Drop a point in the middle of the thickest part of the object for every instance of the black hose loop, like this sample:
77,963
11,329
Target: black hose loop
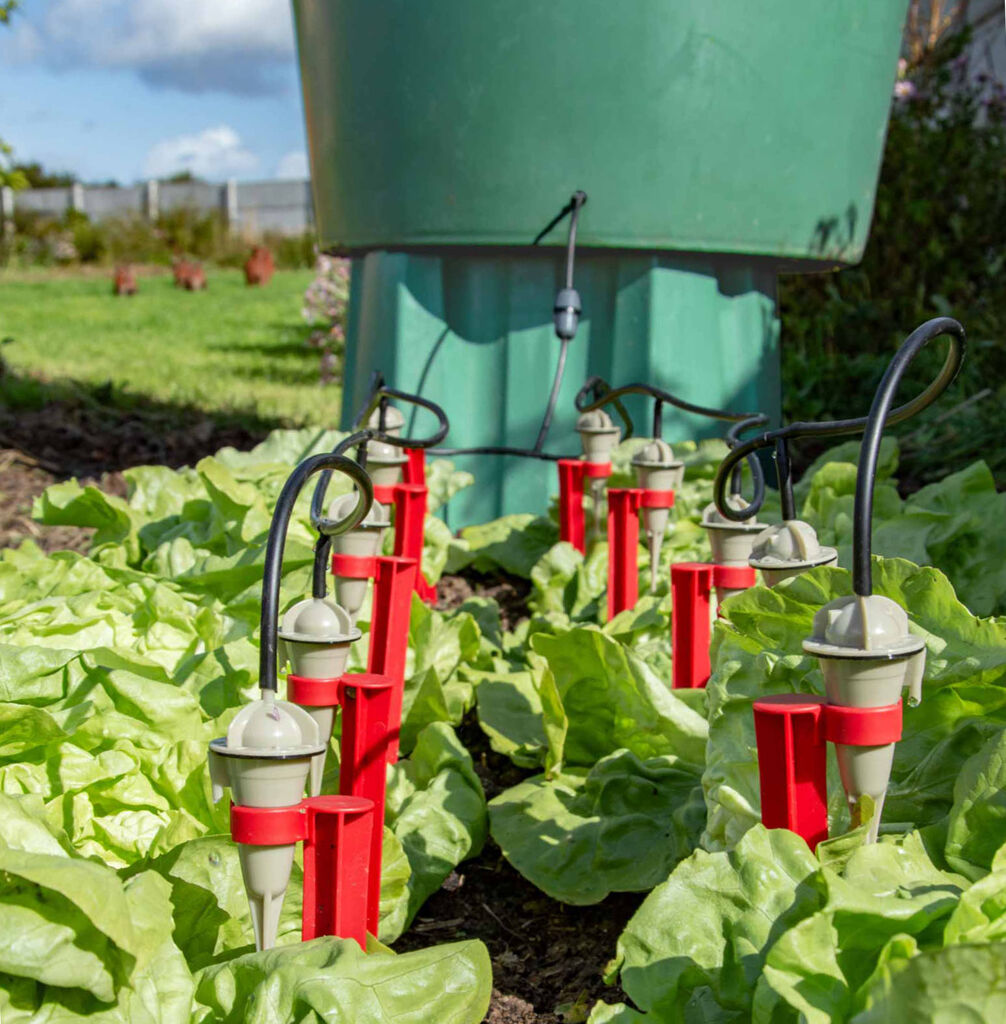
869,450
836,428
273,569
733,438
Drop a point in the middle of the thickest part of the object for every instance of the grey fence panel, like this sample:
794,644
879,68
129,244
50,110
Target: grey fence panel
280,206
53,201
262,206
192,194
114,202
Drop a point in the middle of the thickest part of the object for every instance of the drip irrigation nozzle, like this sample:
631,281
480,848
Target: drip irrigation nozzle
788,549
656,470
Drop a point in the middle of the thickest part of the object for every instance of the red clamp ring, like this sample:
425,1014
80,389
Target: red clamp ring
312,693
354,567
385,493
657,499
863,727
268,826
733,577
598,469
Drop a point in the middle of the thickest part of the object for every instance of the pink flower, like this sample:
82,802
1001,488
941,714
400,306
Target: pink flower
905,90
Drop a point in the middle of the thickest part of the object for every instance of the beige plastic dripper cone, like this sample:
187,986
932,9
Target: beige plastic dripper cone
394,420
788,549
385,462
264,759
363,541
598,437
731,542
867,657
316,635
656,470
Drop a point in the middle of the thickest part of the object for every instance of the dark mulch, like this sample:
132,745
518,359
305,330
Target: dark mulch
80,437
509,592
546,956
85,438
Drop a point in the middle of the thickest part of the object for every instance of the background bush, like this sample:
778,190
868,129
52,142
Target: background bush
937,246
41,240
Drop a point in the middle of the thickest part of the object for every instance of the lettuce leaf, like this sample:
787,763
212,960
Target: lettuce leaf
617,827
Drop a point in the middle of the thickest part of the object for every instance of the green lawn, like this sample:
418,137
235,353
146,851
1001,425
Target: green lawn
230,349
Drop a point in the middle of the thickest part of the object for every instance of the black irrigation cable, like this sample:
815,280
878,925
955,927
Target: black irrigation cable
733,438
273,570
565,335
553,398
784,474
319,571
378,398
879,416
596,393
872,426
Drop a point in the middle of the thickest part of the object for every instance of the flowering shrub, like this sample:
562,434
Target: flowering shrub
325,309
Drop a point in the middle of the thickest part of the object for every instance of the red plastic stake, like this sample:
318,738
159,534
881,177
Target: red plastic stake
336,863
414,471
792,732
623,548
572,525
691,588
792,766
366,736
389,632
410,516
410,528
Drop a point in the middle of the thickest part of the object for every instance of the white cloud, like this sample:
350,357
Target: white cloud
240,46
293,165
213,153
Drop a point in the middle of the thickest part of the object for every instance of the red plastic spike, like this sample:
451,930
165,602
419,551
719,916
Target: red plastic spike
366,736
410,529
389,631
410,517
572,524
792,766
623,548
336,865
691,587
414,471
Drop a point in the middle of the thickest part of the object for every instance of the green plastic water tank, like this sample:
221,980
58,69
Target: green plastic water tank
719,143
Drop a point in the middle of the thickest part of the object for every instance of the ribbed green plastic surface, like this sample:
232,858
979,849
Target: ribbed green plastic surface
710,125
444,131
475,334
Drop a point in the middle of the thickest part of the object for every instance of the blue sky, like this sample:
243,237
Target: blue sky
130,89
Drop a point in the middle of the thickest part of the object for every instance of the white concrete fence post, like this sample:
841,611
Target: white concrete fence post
7,210
231,208
152,201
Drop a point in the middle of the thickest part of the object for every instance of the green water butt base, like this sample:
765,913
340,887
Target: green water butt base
473,331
